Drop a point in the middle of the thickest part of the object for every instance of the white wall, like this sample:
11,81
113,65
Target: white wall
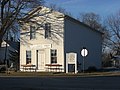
55,41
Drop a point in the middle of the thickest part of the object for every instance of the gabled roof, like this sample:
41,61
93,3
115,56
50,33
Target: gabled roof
77,21
66,16
26,17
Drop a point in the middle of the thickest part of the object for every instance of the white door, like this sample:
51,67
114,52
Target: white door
41,59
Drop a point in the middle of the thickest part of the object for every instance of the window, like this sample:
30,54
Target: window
28,57
32,32
47,30
53,56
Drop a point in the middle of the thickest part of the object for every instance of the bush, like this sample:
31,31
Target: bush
2,69
92,69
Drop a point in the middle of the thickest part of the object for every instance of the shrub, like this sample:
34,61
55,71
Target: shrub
92,69
2,69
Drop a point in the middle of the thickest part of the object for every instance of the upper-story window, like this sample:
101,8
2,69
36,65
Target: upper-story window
32,32
47,30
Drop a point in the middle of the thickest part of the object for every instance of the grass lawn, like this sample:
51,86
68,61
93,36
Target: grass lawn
37,74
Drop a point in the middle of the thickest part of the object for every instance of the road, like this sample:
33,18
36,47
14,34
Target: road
60,83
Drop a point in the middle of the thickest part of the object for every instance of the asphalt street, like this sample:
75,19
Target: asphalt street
60,83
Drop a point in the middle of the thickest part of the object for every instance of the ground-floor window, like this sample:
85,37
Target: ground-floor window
53,56
28,57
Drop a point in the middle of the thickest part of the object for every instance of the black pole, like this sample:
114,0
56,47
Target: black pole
5,60
84,59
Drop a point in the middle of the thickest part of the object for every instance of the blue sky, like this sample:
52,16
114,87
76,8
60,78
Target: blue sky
101,7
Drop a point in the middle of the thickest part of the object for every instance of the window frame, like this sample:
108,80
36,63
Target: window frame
53,56
47,30
32,32
28,56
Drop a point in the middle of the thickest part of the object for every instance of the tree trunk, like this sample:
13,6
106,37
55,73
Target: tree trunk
0,42
1,38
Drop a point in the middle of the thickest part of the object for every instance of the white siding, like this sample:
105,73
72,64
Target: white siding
54,42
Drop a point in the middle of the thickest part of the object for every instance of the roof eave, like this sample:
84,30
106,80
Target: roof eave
77,21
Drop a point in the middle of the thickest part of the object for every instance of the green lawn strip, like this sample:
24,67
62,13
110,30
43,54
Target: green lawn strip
37,74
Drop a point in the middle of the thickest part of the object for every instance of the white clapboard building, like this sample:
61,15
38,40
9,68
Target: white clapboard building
47,36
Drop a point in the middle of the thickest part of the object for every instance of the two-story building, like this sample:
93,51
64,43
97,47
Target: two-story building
47,35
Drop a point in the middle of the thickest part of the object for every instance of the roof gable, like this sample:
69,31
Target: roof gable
44,10
77,21
41,11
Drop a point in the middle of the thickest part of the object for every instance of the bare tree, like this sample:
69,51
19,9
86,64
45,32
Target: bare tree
59,9
113,23
11,13
91,19
94,20
39,17
45,13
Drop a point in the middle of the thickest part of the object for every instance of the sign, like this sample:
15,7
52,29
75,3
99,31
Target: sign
71,58
84,52
40,46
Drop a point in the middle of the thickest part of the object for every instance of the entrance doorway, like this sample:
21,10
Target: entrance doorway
41,59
